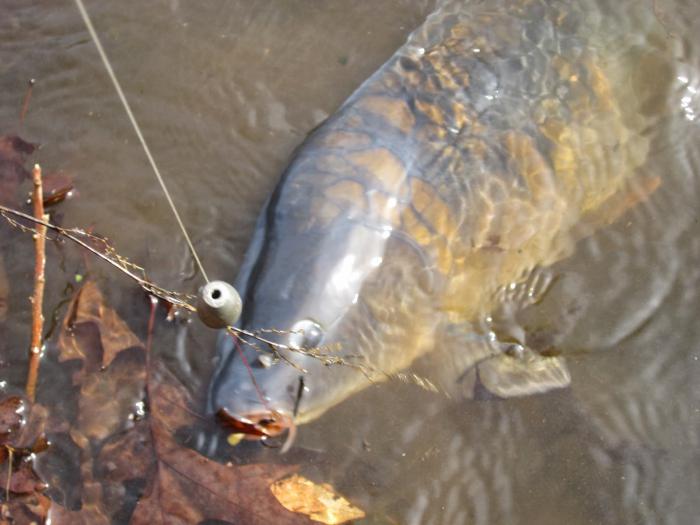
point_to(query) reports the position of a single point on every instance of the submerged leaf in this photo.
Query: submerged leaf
(92, 331)
(60, 515)
(13, 153)
(30, 508)
(23, 479)
(22, 439)
(108, 399)
(15, 148)
(189, 488)
(319, 502)
(11, 417)
(58, 186)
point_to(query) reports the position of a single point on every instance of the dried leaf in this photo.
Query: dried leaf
(58, 186)
(319, 502)
(22, 437)
(32, 435)
(32, 508)
(128, 456)
(122, 447)
(59, 515)
(92, 331)
(15, 148)
(12, 412)
(189, 488)
(109, 399)
(23, 479)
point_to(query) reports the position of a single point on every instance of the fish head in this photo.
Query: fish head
(343, 305)
(313, 293)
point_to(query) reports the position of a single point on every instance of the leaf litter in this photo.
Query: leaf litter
(128, 411)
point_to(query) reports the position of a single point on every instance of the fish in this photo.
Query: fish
(474, 156)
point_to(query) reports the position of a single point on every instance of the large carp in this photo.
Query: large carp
(469, 159)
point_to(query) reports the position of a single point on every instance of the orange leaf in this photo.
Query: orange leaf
(319, 502)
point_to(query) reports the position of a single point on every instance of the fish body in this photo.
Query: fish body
(465, 162)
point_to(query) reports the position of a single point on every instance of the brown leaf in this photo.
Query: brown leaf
(32, 508)
(319, 502)
(32, 435)
(15, 148)
(12, 413)
(92, 331)
(122, 448)
(23, 479)
(128, 456)
(58, 186)
(170, 401)
(189, 488)
(59, 515)
(109, 398)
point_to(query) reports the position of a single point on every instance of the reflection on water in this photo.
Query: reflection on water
(224, 95)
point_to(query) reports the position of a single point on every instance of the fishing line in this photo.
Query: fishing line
(137, 129)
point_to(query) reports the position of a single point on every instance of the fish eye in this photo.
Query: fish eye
(305, 334)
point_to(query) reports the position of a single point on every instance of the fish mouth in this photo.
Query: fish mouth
(259, 426)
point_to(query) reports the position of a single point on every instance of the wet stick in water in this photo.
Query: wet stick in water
(39, 282)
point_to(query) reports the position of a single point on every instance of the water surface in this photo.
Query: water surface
(224, 93)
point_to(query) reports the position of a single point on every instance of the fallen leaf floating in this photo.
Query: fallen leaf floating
(319, 502)
(125, 431)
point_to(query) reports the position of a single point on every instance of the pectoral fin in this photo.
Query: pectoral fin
(467, 364)
(518, 372)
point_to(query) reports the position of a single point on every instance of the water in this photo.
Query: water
(224, 94)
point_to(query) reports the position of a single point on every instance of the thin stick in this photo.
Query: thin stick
(39, 282)
(10, 459)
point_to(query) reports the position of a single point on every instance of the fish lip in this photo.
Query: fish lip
(256, 425)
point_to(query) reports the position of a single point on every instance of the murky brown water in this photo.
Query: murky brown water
(224, 93)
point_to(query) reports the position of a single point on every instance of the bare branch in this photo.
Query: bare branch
(39, 283)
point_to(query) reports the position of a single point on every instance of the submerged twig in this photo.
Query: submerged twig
(107, 254)
(39, 283)
(10, 460)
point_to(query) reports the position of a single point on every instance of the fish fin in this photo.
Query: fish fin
(476, 366)
(636, 191)
(517, 372)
